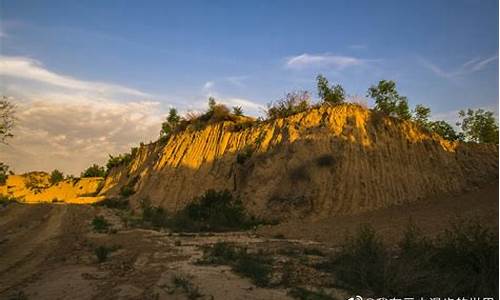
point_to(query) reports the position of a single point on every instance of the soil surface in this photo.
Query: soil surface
(48, 251)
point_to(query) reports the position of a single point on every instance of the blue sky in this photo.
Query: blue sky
(443, 54)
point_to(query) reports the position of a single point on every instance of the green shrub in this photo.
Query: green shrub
(244, 155)
(292, 103)
(155, 217)
(94, 171)
(129, 189)
(56, 176)
(120, 160)
(237, 111)
(362, 262)
(214, 211)
(100, 224)
(257, 266)
(462, 261)
(102, 253)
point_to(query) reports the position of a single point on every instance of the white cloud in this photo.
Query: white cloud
(29, 69)
(471, 66)
(71, 136)
(67, 123)
(322, 60)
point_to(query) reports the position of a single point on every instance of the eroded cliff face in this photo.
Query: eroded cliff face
(328, 161)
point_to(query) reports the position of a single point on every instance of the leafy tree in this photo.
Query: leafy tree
(334, 94)
(444, 129)
(4, 169)
(237, 111)
(56, 176)
(421, 115)
(479, 126)
(388, 100)
(94, 171)
(211, 103)
(292, 103)
(6, 119)
(173, 120)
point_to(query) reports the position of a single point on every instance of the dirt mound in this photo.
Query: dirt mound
(327, 161)
(35, 187)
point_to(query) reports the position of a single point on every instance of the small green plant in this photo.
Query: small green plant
(256, 266)
(100, 224)
(292, 103)
(129, 189)
(126, 191)
(237, 111)
(192, 291)
(102, 253)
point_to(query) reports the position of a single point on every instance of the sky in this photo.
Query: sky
(91, 78)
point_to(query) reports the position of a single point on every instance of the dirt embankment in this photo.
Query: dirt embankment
(35, 187)
(337, 160)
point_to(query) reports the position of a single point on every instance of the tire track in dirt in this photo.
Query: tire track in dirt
(25, 250)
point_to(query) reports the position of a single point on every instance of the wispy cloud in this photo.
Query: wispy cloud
(322, 60)
(470, 66)
(29, 69)
(357, 46)
(208, 85)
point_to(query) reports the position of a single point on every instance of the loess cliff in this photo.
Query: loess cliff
(327, 161)
(35, 187)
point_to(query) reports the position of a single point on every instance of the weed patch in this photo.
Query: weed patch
(100, 224)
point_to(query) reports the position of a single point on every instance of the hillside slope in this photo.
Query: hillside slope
(327, 161)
